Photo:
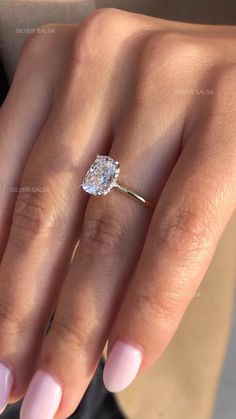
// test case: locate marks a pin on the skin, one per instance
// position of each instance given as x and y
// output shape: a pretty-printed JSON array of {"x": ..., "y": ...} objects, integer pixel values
[{"x": 159, "y": 97}]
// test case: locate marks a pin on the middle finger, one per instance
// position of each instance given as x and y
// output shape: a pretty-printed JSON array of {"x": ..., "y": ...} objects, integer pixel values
[{"x": 45, "y": 226}]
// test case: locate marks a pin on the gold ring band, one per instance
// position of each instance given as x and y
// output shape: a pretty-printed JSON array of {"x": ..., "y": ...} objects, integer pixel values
[{"x": 134, "y": 195}]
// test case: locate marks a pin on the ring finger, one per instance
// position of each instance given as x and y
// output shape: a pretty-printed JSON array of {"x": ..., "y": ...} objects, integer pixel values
[{"x": 111, "y": 241}]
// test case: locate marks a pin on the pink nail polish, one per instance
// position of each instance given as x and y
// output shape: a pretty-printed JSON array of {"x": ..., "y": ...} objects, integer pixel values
[
  {"x": 6, "y": 384},
  {"x": 42, "y": 398},
  {"x": 122, "y": 366}
]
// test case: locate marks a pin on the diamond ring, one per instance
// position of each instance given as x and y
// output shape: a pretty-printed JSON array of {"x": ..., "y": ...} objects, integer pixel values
[{"x": 102, "y": 176}]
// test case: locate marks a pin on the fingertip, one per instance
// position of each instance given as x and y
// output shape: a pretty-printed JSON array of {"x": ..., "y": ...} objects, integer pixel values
[
  {"x": 42, "y": 398},
  {"x": 122, "y": 366},
  {"x": 6, "y": 384}
]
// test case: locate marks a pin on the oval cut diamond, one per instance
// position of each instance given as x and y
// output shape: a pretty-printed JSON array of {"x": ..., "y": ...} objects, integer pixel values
[{"x": 101, "y": 176}]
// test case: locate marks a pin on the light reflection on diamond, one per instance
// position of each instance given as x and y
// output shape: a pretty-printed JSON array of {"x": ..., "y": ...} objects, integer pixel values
[{"x": 101, "y": 176}]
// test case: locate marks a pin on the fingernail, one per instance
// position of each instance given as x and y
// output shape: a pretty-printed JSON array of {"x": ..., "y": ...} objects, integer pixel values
[
  {"x": 6, "y": 384},
  {"x": 122, "y": 366},
  {"x": 42, "y": 398}
]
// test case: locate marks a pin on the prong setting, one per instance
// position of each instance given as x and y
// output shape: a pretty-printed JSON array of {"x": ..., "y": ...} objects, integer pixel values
[{"x": 101, "y": 176}]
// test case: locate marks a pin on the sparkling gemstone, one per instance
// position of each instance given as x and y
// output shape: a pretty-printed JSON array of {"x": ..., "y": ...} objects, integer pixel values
[{"x": 101, "y": 176}]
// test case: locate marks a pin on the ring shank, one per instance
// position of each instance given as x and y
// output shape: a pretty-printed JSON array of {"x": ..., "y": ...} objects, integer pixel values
[{"x": 134, "y": 195}]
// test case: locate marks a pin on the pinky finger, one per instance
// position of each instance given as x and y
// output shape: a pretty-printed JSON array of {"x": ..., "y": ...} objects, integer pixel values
[{"x": 193, "y": 210}]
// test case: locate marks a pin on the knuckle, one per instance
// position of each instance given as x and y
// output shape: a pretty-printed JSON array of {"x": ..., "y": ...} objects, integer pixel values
[
  {"x": 37, "y": 43},
  {"x": 103, "y": 235},
  {"x": 161, "y": 308},
  {"x": 223, "y": 89},
  {"x": 31, "y": 216},
  {"x": 170, "y": 48},
  {"x": 176, "y": 55},
  {"x": 184, "y": 231},
  {"x": 11, "y": 321},
  {"x": 66, "y": 330},
  {"x": 101, "y": 20},
  {"x": 100, "y": 23},
  {"x": 99, "y": 26}
]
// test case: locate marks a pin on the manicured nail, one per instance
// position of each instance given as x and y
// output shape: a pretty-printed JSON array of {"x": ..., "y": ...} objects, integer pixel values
[
  {"x": 122, "y": 366},
  {"x": 6, "y": 384},
  {"x": 42, "y": 398}
]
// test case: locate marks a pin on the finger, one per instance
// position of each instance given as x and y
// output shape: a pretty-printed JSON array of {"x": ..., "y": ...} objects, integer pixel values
[
  {"x": 113, "y": 233},
  {"x": 25, "y": 110},
  {"x": 22, "y": 116},
  {"x": 46, "y": 222},
  {"x": 20, "y": 123},
  {"x": 188, "y": 221}
]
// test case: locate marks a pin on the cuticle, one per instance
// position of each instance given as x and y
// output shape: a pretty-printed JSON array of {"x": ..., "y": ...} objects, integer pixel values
[
  {"x": 53, "y": 375},
  {"x": 8, "y": 365}
]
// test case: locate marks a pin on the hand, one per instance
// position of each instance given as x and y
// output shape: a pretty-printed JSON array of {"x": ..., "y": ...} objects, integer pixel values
[{"x": 159, "y": 97}]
